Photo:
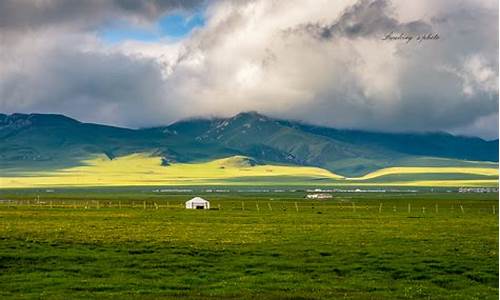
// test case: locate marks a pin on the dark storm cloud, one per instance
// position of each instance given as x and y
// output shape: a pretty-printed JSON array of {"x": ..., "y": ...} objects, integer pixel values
[
  {"x": 364, "y": 19},
  {"x": 51, "y": 61},
  {"x": 19, "y": 14},
  {"x": 99, "y": 87}
]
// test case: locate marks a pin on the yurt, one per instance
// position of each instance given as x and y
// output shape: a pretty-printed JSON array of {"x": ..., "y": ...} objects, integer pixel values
[{"x": 197, "y": 203}]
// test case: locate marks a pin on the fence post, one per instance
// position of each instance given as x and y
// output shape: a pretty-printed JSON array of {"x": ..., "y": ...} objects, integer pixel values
[
  {"x": 144, "y": 204},
  {"x": 296, "y": 207},
  {"x": 462, "y": 209},
  {"x": 409, "y": 208},
  {"x": 242, "y": 205},
  {"x": 270, "y": 208},
  {"x": 257, "y": 205},
  {"x": 380, "y": 208},
  {"x": 437, "y": 208}
]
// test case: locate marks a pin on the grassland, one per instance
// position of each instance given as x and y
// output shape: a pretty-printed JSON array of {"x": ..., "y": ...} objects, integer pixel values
[
  {"x": 429, "y": 170},
  {"x": 144, "y": 169},
  {"x": 136, "y": 244}
]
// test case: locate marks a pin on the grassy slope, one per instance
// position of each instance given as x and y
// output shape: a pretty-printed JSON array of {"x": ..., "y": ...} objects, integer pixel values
[
  {"x": 323, "y": 251},
  {"x": 429, "y": 170},
  {"x": 144, "y": 169}
]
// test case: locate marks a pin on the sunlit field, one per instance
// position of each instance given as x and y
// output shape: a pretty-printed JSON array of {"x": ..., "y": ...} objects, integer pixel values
[
  {"x": 142, "y": 244},
  {"x": 143, "y": 169},
  {"x": 430, "y": 170}
]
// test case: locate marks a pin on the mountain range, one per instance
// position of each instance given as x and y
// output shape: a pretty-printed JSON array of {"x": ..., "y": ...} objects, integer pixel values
[{"x": 31, "y": 142}]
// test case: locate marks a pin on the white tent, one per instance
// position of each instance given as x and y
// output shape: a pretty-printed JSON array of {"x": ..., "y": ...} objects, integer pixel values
[{"x": 197, "y": 203}]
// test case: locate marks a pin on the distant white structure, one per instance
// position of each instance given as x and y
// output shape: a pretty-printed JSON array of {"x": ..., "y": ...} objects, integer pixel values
[
  {"x": 319, "y": 196},
  {"x": 197, "y": 203},
  {"x": 477, "y": 190}
]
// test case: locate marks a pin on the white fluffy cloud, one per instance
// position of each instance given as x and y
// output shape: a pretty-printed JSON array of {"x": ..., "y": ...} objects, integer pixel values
[{"x": 318, "y": 61}]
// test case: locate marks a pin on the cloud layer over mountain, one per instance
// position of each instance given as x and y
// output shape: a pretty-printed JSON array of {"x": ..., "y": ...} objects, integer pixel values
[{"x": 319, "y": 61}]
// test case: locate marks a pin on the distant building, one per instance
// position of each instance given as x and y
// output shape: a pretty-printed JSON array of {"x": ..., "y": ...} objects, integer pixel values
[
  {"x": 197, "y": 203},
  {"x": 319, "y": 196},
  {"x": 477, "y": 190}
]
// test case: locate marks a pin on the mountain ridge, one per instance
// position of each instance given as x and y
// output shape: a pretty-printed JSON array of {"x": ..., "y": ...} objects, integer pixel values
[
  {"x": 4, "y": 117},
  {"x": 48, "y": 141}
]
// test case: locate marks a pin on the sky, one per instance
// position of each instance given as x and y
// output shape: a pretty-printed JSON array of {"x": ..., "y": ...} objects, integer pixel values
[{"x": 379, "y": 65}]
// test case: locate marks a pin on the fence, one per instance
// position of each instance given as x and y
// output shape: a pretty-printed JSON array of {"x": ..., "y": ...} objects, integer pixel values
[{"x": 373, "y": 207}]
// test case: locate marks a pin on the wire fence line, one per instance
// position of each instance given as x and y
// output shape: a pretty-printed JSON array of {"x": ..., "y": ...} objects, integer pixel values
[{"x": 379, "y": 207}]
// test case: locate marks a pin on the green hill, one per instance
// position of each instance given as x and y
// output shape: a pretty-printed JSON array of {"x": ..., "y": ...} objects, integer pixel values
[
  {"x": 44, "y": 142},
  {"x": 346, "y": 152}
]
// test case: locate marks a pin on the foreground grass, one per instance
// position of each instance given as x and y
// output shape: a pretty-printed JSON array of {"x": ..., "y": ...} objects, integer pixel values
[
  {"x": 144, "y": 169},
  {"x": 254, "y": 247}
]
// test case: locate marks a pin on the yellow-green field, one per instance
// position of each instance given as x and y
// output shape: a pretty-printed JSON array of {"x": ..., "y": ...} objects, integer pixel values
[
  {"x": 145, "y": 169},
  {"x": 427, "y": 170}
]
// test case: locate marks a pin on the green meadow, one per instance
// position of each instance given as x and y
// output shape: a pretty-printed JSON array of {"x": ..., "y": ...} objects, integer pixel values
[{"x": 136, "y": 244}]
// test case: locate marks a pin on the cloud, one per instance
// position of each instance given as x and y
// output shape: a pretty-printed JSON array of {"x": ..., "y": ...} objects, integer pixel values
[
  {"x": 317, "y": 61},
  {"x": 486, "y": 127},
  {"x": 476, "y": 75},
  {"x": 364, "y": 19},
  {"x": 28, "y": 14},
  {"x": 338, "y": 71},
  {"x": 99, "y": 86},
  {"x": 53, "y": 61}
]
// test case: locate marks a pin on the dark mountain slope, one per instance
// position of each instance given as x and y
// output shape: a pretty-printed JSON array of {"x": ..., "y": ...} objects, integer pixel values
[
  {"x": 427, "y": 144},
  {"x": 350, "y": 152},
  {"x": 270, "y": 140},
  {"x": 38, "y": 140},
  {"x": 46, "y": 142}
]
